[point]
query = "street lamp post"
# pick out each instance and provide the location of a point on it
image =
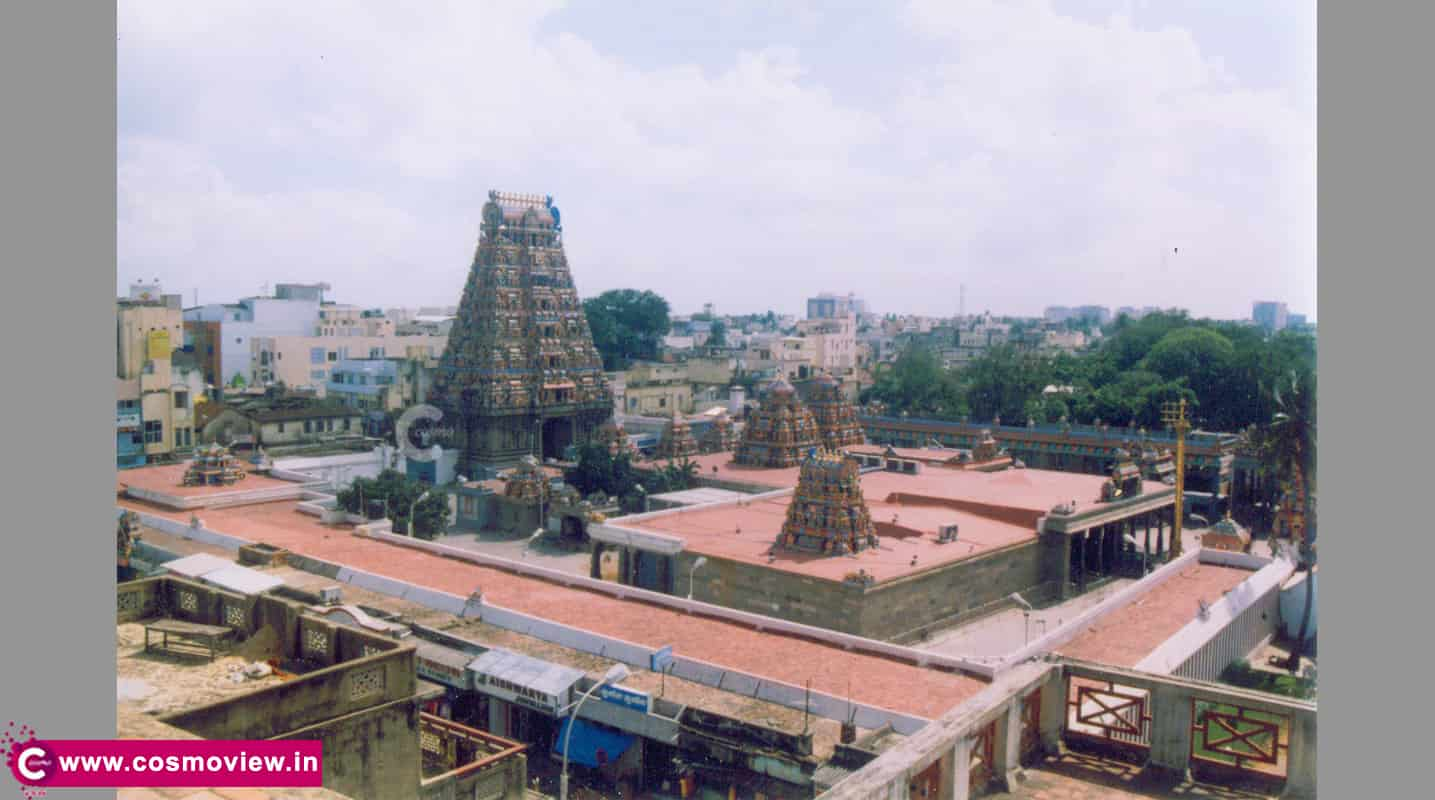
(529, 543)
(1026, 615)
(617, 673)
(413, 506)
(701, 561)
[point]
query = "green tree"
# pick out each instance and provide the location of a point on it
(597, 470)
(1288, 442)
(627, 325)
(391, 495)
(916, 383)
(1005, 382)
(1203, 358)
(718, 335)
(680, 475)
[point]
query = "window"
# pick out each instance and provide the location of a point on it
(347, 423)
(181, 399)
(333, 356)
(153, 432)
(662, 402)
(308, 426)
(316, 355)
(281, 427)
(238, 340)
(317, 374)
(376, 352)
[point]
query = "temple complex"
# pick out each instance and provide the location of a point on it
(520, 374)
(827, 513)
(720, 436)
(781, 432)
(677, 440)
(836, 418)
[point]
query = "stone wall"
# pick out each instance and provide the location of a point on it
(886, 611)
(374, 753)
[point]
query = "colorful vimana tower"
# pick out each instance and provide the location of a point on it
(677, 439)
(520, 375)
(780, 432)
(720, 437)
(828, 514)
(836, 418)
(612, 435)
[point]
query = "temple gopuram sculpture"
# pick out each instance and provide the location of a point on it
(1125, 480)
(828, 513)
(836, 419)
(527, 482)
(677, 439)
(986, 448)
(214, 466)
(780, 432)
(611, 435)
(720, 436)
(520, 373)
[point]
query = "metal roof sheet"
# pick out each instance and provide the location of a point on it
(197, 565)
(533, 673)
(242, 579)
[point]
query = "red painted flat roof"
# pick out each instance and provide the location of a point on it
(1131, 633)
(729, 470)
(869, 679)
(168, 478)
(715, 532)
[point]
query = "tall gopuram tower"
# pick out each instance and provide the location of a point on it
(520, 375)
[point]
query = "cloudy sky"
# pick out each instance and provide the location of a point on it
(1039, 153)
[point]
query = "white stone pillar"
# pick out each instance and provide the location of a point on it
(962, 768)
(1300, 759)
(1053, 711)
(1170, 731)
(1007, 750)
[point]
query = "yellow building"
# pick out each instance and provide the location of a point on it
(154, 396)
(654, 389)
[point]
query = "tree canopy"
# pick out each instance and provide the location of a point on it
(390, 495)
(1224, 370)
(627, 325)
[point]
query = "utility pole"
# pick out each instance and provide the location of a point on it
(1174, 415)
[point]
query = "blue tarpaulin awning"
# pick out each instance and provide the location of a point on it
(592, 746)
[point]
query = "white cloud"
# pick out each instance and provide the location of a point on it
(1035, 154)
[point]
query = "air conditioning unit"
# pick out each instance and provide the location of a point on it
(329, 596)
(947, 533)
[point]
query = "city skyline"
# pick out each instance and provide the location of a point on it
(1111, 153)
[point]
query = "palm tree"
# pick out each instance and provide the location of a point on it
(1289, 442)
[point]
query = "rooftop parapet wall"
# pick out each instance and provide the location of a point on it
(344, 688)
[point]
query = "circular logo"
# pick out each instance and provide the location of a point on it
(407, 423)
(34, 763)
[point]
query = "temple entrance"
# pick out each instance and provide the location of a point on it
(557, 436)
